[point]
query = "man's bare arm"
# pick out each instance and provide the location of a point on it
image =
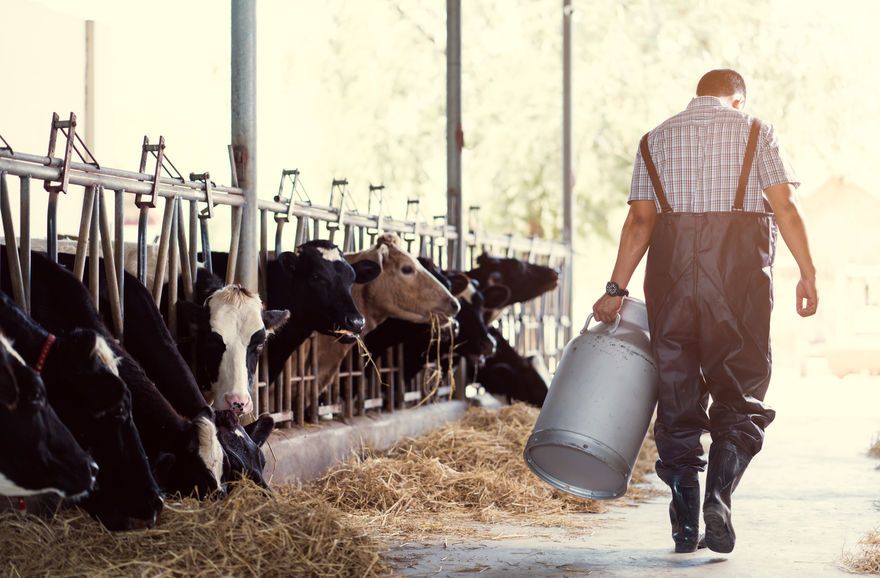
(634, 240)
(788, 216)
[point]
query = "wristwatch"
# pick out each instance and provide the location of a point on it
(614, 290)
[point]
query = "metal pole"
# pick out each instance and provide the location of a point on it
(244, 132)
(454, 134)
(90, 85)
(567, 171)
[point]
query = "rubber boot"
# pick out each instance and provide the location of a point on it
(684, 513)
(727, 463)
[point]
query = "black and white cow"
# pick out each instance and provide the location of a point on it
(38, 453)
(314, 284)
(83, 386)
(149, 341)
(231, 328)
(471, 339)
(185, 452)
(511, 375)
(242, 446)
(525, 280)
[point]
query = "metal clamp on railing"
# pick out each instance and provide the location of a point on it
(68, 129)
(339, 188)
(158, 151)
(291, 175)
(376, 192)
(6, 146)
(413, 213)
(208, 211)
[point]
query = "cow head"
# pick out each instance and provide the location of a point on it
(231, 330)
(404, 289)
(320, 288)
(474, 340)
(242, 446)
(96, 404)
(196, 464)
(525, 280)
(37, 452)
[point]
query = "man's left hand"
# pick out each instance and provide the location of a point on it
(607, 308)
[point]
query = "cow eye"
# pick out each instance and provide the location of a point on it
(407, 270)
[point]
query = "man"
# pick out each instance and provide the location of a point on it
(696, 200)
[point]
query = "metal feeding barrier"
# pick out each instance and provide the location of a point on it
(190, 207)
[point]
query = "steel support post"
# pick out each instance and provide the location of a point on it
(244, 133)
(567, 170)
(454, 133)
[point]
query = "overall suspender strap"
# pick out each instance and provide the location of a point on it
(748, 159)
(655, 178)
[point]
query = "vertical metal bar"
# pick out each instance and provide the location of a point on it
(25, 241)
(90, 85)
(143, 219)
(206, 245)
(567, 174)
(11, 253)
(110, 271)
(454, 132)
(244, 131)
(234, 246)
(162, 256)
(119, 255)
(264, 253)
(85, 222)
(52, 227)
(173, 267)
(193, 240)
(183, 252)
(94, 251)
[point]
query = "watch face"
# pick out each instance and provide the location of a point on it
(611, 288)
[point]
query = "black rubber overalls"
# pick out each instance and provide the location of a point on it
(709, 293)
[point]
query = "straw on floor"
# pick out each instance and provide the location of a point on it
(866, 558)
(471, 470)
(250, 533)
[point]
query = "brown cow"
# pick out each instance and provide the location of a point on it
(404, 289)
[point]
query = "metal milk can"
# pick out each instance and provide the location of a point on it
(597, 412)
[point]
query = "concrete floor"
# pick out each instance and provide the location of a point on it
(806, 499)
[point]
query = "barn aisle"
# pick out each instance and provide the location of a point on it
(806, 500)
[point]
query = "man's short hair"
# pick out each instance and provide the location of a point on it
(721, 82)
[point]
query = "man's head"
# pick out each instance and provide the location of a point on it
(725, 84)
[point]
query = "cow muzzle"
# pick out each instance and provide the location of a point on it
(237, 403)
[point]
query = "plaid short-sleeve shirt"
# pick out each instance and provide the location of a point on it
(699, 153)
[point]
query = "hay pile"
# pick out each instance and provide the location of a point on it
(472, 470)
(865, 560)
(874, 451)
(250, 533)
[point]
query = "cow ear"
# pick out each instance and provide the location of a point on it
(484, 259)
(274, 318)
(460, 283)
(288, 260)
(496, 296)
(259, 430)
(189, 313)
(366, 270)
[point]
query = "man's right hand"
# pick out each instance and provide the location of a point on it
(807, 297)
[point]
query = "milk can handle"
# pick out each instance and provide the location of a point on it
(614, 325)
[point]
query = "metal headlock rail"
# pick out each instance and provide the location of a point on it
(540, 327)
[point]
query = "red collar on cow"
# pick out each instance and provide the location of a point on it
(44, 353)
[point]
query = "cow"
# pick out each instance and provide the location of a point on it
(404, 289)
(185, 452)
(242, 446)
(525, 280)
(83, 386)
(509, 374)
(471, 339)
(314, 283)
(38, 454)
(230, 329)
(149, 341)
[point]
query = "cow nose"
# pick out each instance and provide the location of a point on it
(239, 404)
(93, 470)
(355, 323)
(454, 306)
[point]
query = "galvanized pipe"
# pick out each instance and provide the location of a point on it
(162, 256)
(173, 267)
(51, 226)
(454, 132)
(206, 245)
(85, 224)
(183, 254)
(24, 249)
(119, 242)
(94, 251)
(244, 132)
(18, 292)
(193, 241)
(567, 169)
(234, 245)
(110, 271)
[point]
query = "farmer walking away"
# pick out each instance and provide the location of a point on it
(696, 200)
